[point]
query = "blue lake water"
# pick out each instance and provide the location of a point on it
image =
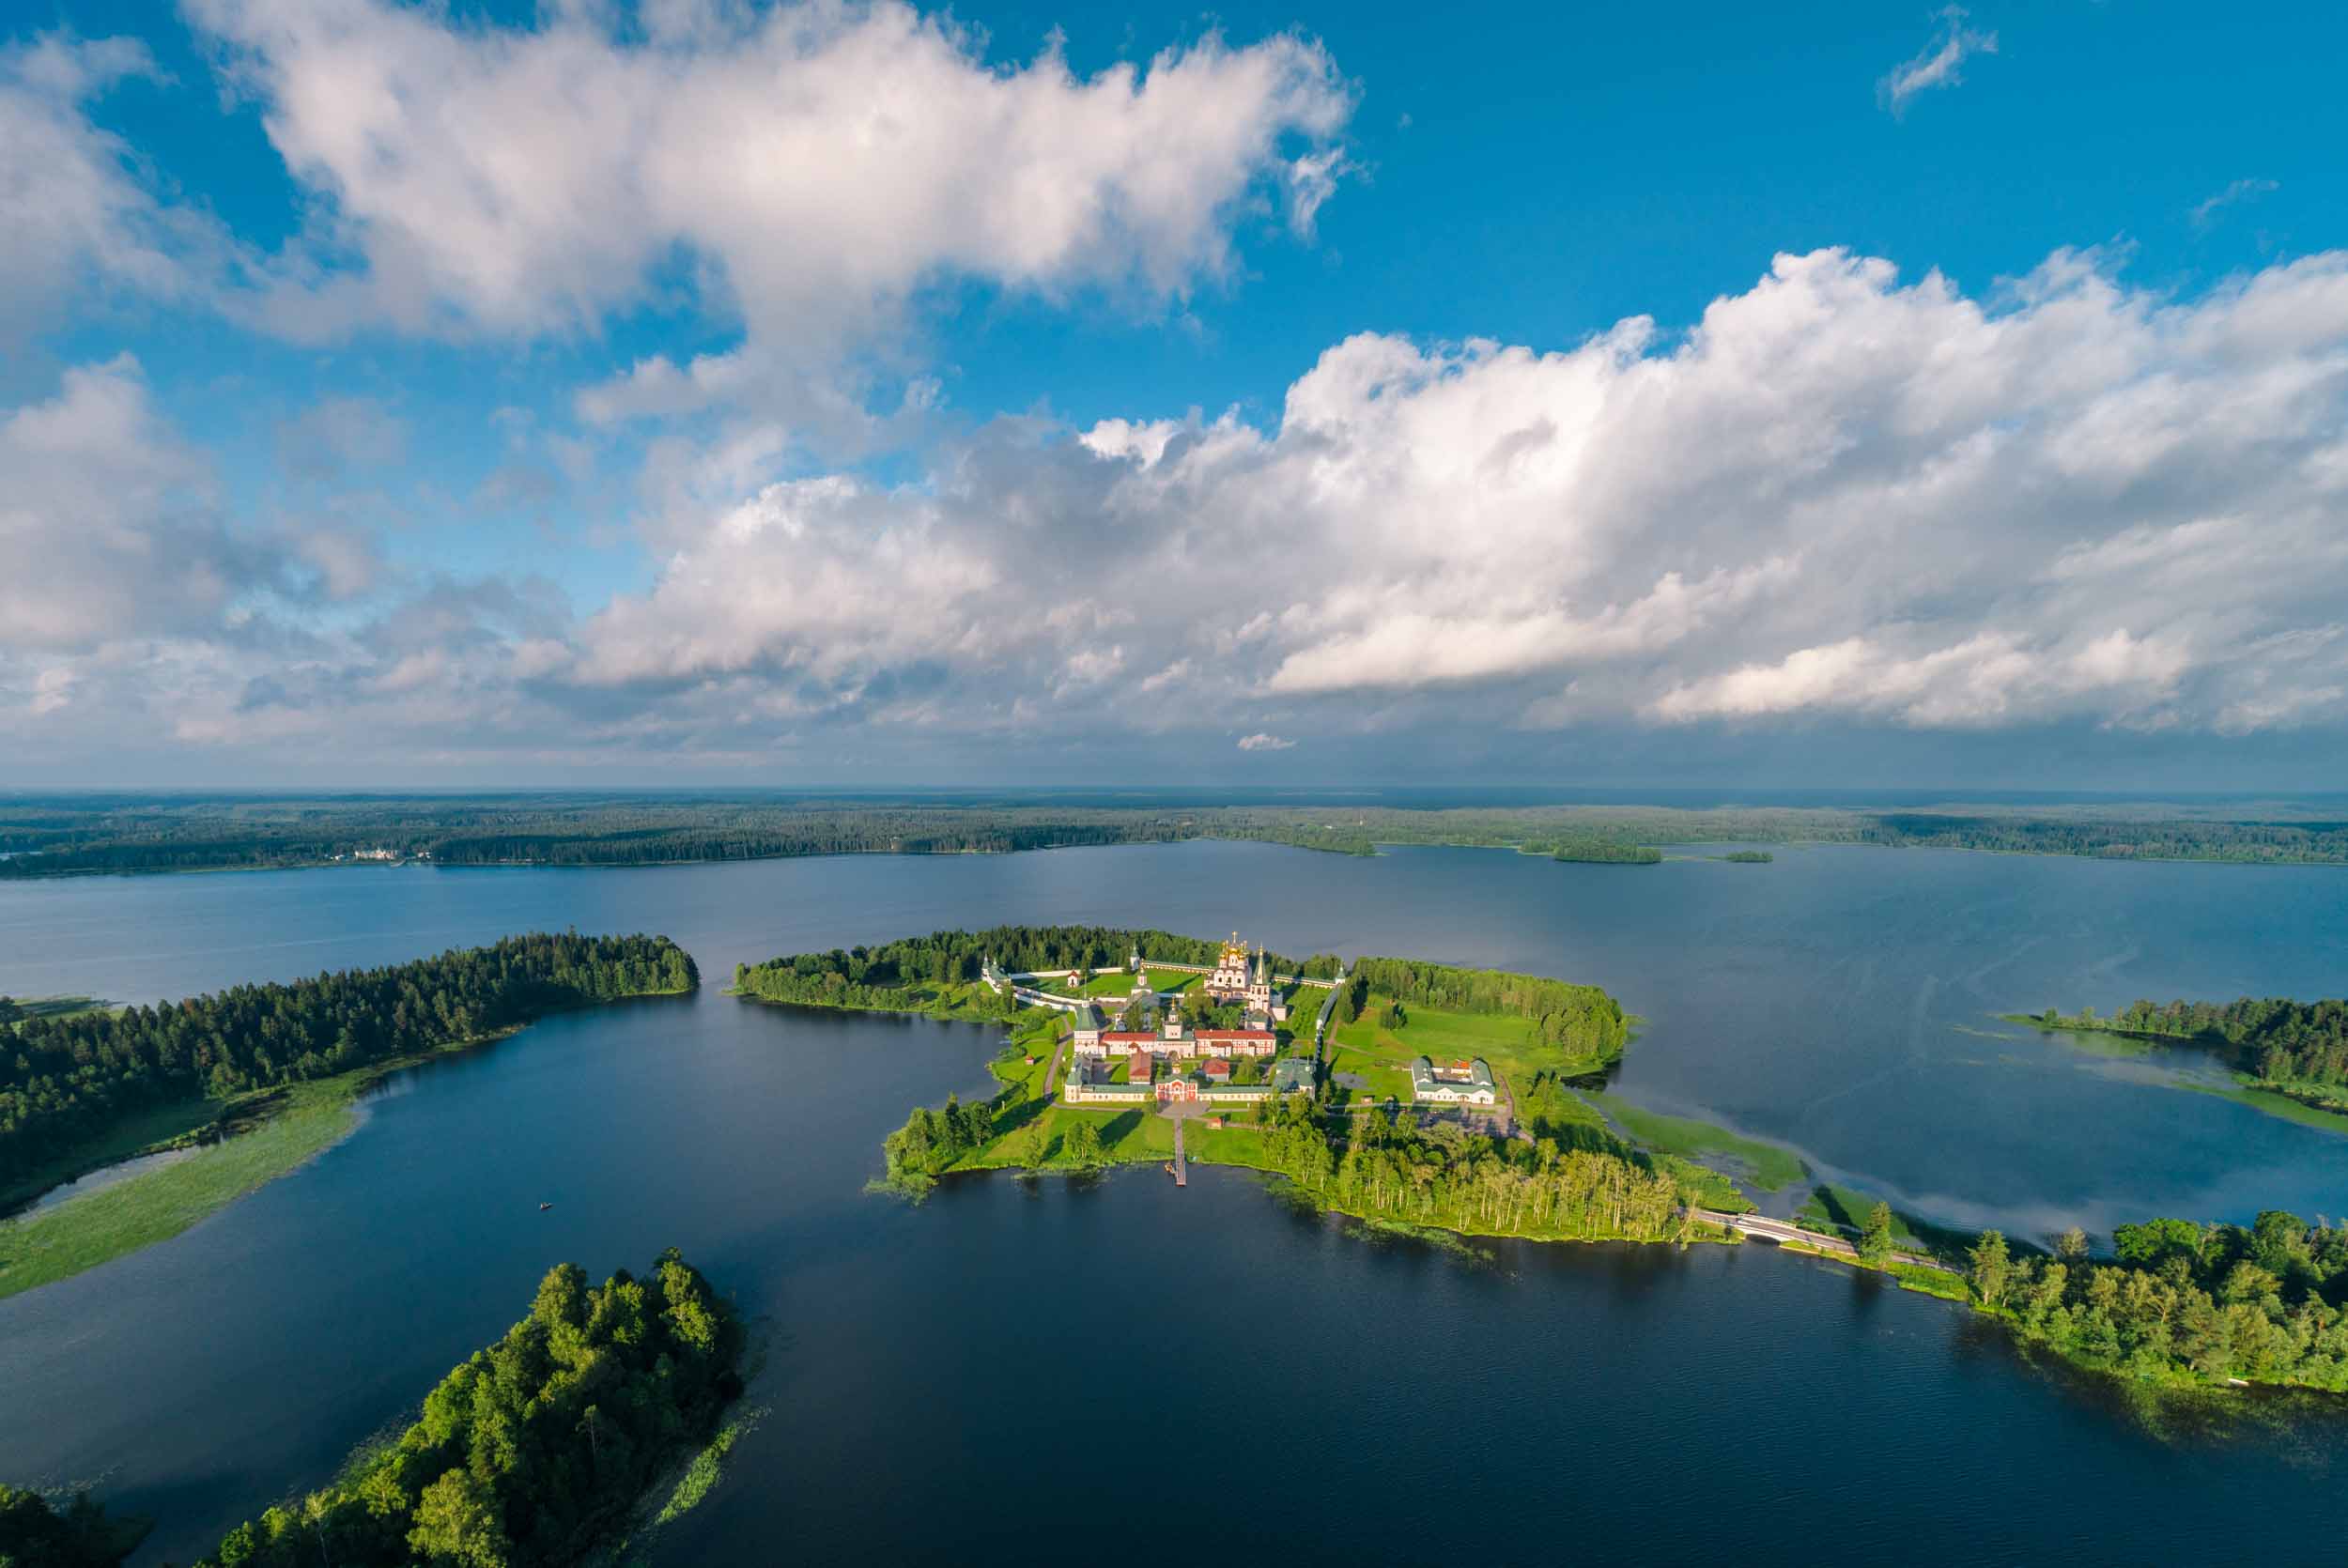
(945, 1380)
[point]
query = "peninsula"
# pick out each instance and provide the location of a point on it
(213, 1096)
(1424, 1097)
(2273, 1046)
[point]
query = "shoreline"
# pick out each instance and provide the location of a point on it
(2266, 1097)
(282, 1130)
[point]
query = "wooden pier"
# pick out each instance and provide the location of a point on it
(1181, 1163)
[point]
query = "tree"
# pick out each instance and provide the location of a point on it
(459, 1523)
(1875, 1241)
(2071, 1246)
(1083, 1145)
(1034, 1139)
(1993, 1269)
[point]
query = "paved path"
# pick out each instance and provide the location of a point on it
(1052, 1072)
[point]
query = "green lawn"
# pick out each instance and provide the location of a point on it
(1386, 1079)
(1504, 1040)
(1766, 1165)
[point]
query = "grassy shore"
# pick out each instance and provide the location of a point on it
(84, 1232)
(1766, 1165)
(2314, 1105)
(269, 1134)
(146, 1131)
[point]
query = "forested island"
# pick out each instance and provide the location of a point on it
(2175, 1304)
(65, 834)
(537, 1452)
(2296, 1049)
(257, 1078)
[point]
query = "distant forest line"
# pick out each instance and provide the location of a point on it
(43, 835)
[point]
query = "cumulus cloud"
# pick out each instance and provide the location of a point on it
(1938, 64)
(109, 525)
(1840, 498)
(808, 167)
(75, 213)
(1838, 495)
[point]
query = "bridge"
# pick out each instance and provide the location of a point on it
(1776, 1230)
(1784, 1230)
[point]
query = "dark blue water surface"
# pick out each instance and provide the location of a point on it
(1121, 1369)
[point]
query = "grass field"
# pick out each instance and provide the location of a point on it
(1503, 1040)
(1768, 1166)
(1385, 1079)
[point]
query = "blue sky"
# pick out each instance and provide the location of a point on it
(836, 392)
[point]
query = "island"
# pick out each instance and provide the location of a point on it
(1433, 1100)
(542, 1451)
(194, 1103)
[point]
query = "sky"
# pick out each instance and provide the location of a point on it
(710, 394)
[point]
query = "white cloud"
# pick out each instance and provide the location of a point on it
(74, 215)
(808, 166)
(1938, 64)
(1839, 499)
(2205, 211)
(1837, 496)
(1261, 742)
(108, 524)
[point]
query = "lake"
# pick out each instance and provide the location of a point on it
(1120, 1367)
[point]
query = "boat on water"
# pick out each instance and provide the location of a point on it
(544, 1206)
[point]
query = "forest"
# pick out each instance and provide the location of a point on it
(2274, 1038)
(2263, 1302)
(1584, 1020)
(900, 976)
(66, 835)
(533, 1453)
(63, 1080)
(1391, 1168)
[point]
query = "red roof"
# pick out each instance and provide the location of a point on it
(1137, 1070)
(1215, 1066)
(1236, 1034)
(1126, 1036)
